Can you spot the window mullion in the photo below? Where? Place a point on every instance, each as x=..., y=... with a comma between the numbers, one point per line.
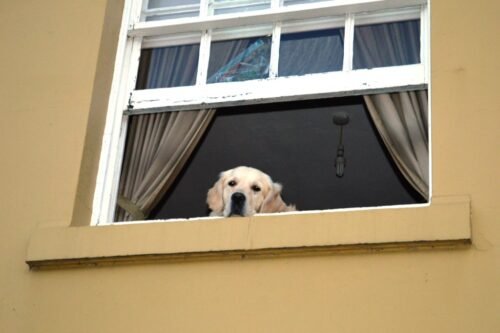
x=348, y=42
x=206, y=39
x=275, y=44
x=204, y=7
x=275, y=50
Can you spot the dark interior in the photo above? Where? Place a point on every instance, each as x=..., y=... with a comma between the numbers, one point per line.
x=295, y=143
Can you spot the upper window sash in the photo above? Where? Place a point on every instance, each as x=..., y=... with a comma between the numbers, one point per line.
x=288, y=26
x=273, y=14
x=320, y=85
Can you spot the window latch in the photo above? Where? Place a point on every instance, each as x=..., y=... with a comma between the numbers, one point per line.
x=130, y=106
x=340, y=119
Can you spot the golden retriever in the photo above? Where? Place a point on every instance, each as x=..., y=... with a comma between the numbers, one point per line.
x=245, y=191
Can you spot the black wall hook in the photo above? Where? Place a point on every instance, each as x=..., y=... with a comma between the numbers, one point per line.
x=340, y=119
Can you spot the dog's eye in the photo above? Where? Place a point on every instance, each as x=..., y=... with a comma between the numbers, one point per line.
x=255, y=188
x=232, y=183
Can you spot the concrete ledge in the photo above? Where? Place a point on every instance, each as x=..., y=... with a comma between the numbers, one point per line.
x=443, y=223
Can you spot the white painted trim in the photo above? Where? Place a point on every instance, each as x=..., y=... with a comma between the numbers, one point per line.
x=275, y=51
x=310, y=86
x=348, y=42
x=204, y=58
x=117, y=136
x=120, y=87
x=115, y=180
x=204, y=8
x=305, y=11
x=118, y=133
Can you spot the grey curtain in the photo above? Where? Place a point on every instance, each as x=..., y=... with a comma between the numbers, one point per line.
x=386, y=44
x=311, y=52
x=172, y=66
x=157, y=148
x=401, y=120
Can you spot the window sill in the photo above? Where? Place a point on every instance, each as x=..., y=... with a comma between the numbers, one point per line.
x=444, y=223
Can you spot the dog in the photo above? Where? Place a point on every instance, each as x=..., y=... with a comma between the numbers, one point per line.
x=245, y=191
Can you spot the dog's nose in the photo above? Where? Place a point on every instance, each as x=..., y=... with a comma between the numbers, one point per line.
x=237, y=204
x=238, y=197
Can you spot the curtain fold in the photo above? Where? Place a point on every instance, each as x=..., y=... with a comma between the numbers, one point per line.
x=401, y=120
x=158, y=147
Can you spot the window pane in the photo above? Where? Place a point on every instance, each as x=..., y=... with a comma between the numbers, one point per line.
x=218, y=7
x=297, y=2
x=174, y=15
x=387, y=44
x=170, y=9
x=165, y=67
x=239, y=60
x=311, y=52
x=170, y=3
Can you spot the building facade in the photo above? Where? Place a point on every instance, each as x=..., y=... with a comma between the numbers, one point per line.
x=424, y=269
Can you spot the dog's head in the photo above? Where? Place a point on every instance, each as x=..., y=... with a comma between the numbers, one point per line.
x=245, y=191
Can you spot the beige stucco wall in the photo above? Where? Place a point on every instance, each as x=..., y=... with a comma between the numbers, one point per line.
x=53, y=86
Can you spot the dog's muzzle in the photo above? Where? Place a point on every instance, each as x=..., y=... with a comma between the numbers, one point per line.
x=237, y=204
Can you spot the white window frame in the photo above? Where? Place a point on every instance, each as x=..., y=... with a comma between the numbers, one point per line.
x=124, y=100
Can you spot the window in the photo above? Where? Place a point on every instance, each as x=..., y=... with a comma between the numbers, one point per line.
x=177, y=56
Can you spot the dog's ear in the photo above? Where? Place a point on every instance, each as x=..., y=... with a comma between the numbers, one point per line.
x=214, y=196
x=273, y=203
